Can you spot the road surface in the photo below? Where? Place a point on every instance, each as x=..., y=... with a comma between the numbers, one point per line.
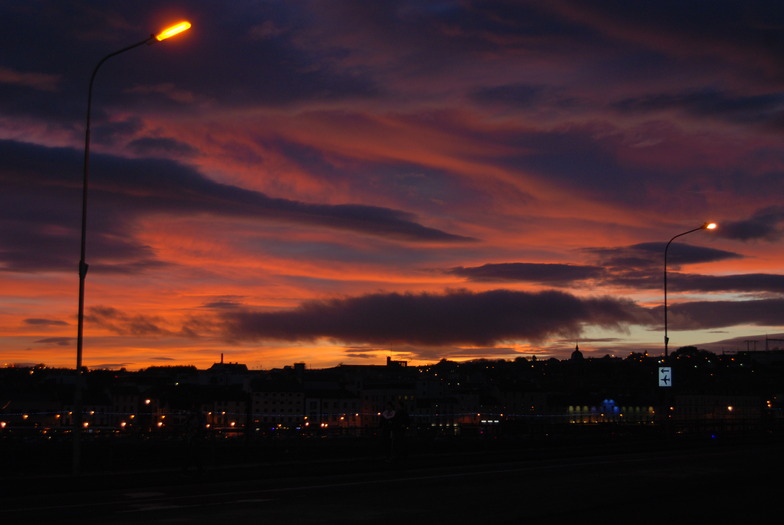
x=707, y=484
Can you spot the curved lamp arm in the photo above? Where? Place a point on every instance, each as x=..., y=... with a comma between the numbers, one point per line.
x=706, y=226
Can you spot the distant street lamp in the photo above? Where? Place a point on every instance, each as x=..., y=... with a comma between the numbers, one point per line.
x=706, y=226
x=77, y=412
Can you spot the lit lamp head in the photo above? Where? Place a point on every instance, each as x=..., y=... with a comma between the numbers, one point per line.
x=710, y=226
x=171, y=31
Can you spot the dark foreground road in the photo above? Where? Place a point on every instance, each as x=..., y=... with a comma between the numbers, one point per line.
x=711, y=484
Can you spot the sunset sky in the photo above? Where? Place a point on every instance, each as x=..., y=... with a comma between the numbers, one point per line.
x=342, y=181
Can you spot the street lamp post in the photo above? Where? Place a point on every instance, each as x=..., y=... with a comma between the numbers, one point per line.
x=77, y=411
x=706, y=226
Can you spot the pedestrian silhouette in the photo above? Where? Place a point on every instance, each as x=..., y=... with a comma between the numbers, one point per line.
x=394, y=422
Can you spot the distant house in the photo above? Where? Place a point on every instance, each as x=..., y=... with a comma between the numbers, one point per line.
x=276, y=405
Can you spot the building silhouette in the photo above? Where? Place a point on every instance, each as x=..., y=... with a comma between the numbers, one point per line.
x=711, y=394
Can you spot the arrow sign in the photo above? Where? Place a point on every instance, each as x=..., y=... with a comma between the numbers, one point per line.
x=665, y=376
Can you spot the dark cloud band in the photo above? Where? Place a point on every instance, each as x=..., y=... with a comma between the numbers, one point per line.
x=457, y=317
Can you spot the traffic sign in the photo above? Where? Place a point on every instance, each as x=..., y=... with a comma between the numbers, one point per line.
x=665, y=376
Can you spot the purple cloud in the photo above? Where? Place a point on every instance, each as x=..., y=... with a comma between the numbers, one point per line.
x=457, y=317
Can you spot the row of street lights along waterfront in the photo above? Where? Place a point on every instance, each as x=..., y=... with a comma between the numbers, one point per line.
x=692, y=411
x=127, y=413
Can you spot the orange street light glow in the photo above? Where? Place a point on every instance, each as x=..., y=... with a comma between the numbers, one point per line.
x=710, y=226
x=173, y=30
